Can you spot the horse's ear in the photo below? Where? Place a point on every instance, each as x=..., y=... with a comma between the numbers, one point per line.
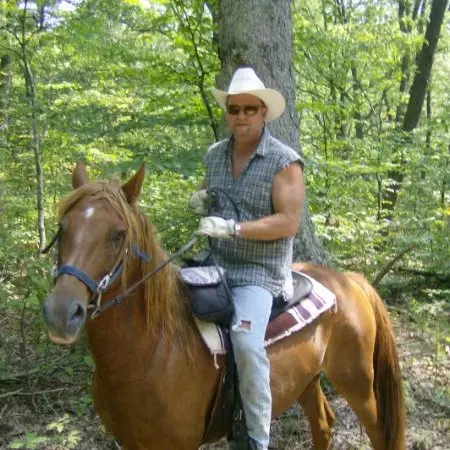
x=79, y=175
x=132, y=188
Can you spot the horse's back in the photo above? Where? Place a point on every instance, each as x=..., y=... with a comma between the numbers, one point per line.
x=353, y=330
x=352, y=290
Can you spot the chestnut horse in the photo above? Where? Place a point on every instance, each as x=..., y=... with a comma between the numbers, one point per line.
x=155, y=383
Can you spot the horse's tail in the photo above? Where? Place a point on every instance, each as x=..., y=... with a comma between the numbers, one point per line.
x=387, y=375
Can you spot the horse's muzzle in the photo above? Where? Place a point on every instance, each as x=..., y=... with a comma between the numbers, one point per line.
x=64, y=319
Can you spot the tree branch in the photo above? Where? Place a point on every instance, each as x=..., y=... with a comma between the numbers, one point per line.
x=19, y=392
x=384, y=271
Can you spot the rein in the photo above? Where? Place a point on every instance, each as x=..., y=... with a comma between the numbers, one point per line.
x=98, y=288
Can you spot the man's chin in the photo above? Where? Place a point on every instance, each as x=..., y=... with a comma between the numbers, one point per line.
x=241, y=130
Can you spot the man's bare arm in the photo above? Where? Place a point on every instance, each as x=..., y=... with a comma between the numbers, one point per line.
x=288, y=194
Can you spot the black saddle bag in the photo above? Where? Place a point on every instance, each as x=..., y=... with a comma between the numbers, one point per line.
x=209, y=294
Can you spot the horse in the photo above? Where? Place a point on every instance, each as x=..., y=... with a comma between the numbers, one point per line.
x=154, y=385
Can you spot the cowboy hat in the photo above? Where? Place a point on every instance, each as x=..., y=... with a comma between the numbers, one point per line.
x=245, y=81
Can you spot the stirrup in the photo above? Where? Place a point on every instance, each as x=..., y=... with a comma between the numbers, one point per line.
x=247, y=444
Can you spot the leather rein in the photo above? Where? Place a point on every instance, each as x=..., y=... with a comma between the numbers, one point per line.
x=97, y=288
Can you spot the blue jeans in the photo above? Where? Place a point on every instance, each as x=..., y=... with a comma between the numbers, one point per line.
x=248, y=327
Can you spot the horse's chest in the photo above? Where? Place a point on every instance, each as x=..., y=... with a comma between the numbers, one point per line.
x=148, y=413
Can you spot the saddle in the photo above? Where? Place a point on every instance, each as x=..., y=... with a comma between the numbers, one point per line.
x=302, y=288
x=210, y=296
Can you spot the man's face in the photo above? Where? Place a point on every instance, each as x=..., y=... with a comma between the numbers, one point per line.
x=245, y=115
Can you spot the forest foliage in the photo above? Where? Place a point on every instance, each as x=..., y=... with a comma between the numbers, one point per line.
x=118, y=83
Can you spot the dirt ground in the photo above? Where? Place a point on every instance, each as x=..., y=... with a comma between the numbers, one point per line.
x=48, y=407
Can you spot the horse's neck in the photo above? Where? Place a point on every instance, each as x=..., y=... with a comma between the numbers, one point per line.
x=114, y=338
x=123, y=349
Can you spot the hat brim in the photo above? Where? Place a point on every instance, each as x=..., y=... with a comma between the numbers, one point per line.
x=273, y=100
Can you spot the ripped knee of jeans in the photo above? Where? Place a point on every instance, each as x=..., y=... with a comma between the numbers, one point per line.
x=243, y=325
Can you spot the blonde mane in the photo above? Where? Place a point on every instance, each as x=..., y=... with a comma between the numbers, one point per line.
x=166, y=306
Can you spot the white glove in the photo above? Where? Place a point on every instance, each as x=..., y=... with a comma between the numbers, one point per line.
x=198, y=202
x=216, y=227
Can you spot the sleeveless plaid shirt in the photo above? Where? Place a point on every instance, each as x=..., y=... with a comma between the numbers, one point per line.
x=251, y=262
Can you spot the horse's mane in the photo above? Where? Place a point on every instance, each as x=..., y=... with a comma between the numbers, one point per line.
x=166, y=308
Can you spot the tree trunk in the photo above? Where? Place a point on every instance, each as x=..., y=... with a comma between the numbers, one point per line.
x=416, y=97
x=359, y=130
x=422, y=76
x=429, y=128
x=31, y=97
x=258, y=32
x=445, y=180
x=5, y=88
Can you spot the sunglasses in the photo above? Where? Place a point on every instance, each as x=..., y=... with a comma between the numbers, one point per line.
x=249, y=110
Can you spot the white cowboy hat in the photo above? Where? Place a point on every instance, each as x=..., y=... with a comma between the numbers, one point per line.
x=245, y=81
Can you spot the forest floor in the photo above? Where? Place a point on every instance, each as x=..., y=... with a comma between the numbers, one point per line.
x=45, y=402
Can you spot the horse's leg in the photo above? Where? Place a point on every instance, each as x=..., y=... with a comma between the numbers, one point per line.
x=356, y=386
x=320, y=415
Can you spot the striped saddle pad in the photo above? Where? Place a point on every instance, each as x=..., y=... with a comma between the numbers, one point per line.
x=318, y=300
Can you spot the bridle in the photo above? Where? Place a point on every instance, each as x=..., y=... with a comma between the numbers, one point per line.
x=97, y=288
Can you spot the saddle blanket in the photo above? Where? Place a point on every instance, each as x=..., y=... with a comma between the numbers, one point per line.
x=320, y=299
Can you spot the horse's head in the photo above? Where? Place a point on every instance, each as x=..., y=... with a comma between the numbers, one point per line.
x=96, y=229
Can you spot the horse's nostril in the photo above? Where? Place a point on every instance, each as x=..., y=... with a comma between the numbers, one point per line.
x=77, y=314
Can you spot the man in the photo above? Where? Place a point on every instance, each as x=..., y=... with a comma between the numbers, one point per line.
x=261, y=180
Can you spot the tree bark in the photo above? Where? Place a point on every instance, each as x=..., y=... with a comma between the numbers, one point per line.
x=259, y=33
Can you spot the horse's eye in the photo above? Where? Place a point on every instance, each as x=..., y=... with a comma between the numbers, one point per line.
x=117, y=237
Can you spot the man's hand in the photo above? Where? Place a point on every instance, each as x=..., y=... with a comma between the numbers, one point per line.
x=199, y=202
x=216, y=227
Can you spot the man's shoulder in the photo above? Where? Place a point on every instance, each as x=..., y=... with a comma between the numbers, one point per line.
x=215, y=153
x=281, y=150
x=218, y=145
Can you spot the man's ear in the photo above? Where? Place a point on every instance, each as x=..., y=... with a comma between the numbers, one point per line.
x=79, y=175
x=132, y=188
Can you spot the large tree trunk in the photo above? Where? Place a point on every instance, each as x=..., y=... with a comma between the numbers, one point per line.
x=258, y=32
